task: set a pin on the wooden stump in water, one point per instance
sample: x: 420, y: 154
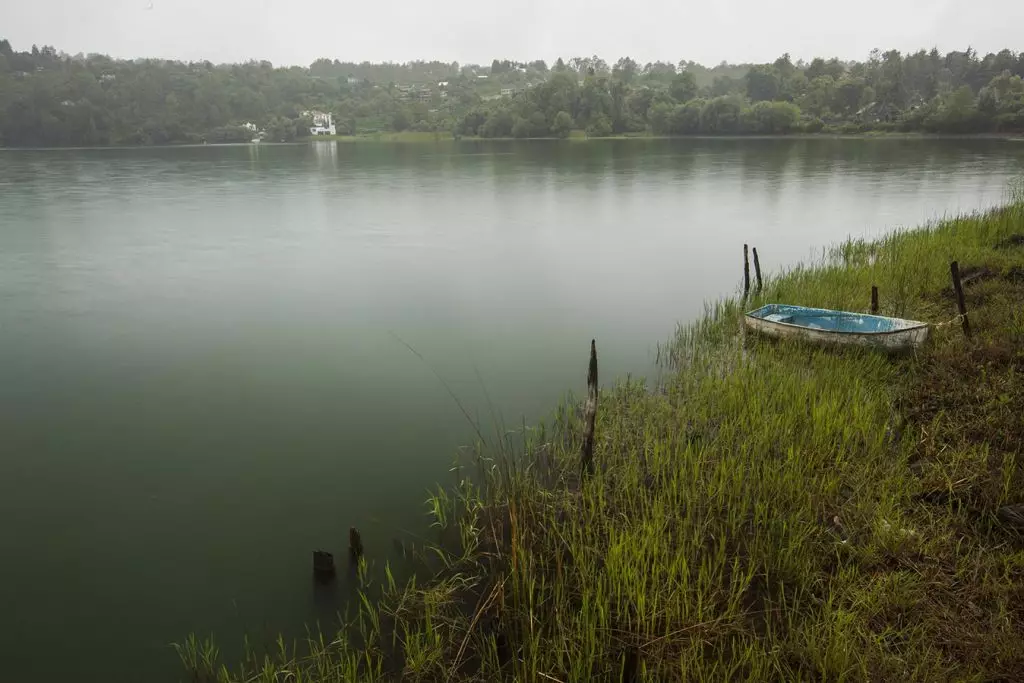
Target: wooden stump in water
x: 746, y: 272
x: 590, y: 414
x: 355, y: 544
x: 323, y: 566
x: 757, y: 271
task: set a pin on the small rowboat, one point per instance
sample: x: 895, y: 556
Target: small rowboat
x: 822, y: 326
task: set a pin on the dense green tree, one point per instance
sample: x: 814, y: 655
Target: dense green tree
x: 640, y: 101
x: 533, y: 126
x: 725, y: 85
x: 589, y: 66
x: 763, y: 83
x: 957, y: 112
x: 562, y: 125
x: 793, y: 87
x: 559, y: 93
x: 473, y: 122
x: 1003, y: 93
x: 622, y: 120
x: 724, y: 72
x: 685, y: 119
x: 684, y: 87
x: 771, y: 118
x: 400, y: 120
x: 784, y: 67
x: 818, y: 67
x: 594, y: 101
x: 851, y: 93
x: 721, y: 115
x: 659, y: 72
x: 921, y: 75
x: 280, y: 129
x: 819, y: 96
x: 659, y: 118
x: 599, y: 127
x: 625, y: 70
x: 890, y: 88
x: 498, y: 125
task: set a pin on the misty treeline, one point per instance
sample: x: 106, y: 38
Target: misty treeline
x: 48, y: 98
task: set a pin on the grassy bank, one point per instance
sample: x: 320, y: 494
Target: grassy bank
x: 770, y: 512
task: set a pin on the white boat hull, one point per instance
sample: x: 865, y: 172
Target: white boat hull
x: 907, y: 338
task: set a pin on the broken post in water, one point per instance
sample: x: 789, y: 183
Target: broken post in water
x: 757, y: 271
x: 355, y: 544
x: 746, y: 272
x: 958, y: 289
x: 874, y: 300
x: 590, y: 414
x: 323, y: 566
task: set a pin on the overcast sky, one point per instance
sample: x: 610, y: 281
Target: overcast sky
x: 296, y: 32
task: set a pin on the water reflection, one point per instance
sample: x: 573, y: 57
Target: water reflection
x: 326, y: 153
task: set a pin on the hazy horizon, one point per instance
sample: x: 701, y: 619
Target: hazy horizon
x: 736, y: 31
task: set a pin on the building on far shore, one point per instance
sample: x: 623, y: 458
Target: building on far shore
x: 323, y: 124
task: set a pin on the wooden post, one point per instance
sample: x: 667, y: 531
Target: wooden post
x: 958, y: 288
x: 589, y: 414
x: 746, y: 272
x: 355, y: 544
x: 323, y: 566
x: 874, y: 300
x: 757, y: 271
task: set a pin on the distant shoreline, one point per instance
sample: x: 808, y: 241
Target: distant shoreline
x: 578, y: 136
x: 423, y: 137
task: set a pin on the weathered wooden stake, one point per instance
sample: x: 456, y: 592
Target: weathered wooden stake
x: 323, y: 566
x: 958, y: 288
x: 746, y: 272
x: 590, y: 414
x: 355, y: 544
x: 757, y: 271
x: 874, y: 300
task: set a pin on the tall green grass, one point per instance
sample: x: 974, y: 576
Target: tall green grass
x: 755, y: 516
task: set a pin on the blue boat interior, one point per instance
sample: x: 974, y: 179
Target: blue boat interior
x: 834, y: 321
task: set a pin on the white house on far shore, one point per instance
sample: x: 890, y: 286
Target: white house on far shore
x: 323, y: 124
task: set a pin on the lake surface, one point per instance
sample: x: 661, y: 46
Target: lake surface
x: 201, y: 372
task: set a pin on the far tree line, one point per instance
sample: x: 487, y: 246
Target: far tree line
x: 49, y: 98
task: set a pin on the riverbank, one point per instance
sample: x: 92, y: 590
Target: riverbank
x: 770, y: 512
x: 575, y: 136
x: 581, y: 136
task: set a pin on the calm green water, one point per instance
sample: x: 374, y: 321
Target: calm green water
x: 200, y: 380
